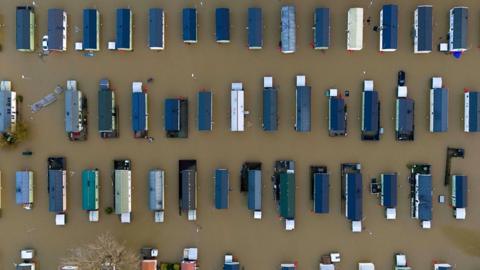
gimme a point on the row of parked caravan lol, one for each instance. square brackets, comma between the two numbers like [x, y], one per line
[251, 183]
[56, 39]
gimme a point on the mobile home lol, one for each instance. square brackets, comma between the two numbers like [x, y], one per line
[370, 112]
[204, 111]
[222, 25]
[124, 35]
[231, 263]
[320, 189]
[405, 116]
[90, 193]
[107, 111]
[472, 111]
[251, 182]
[190, 27]
[388, 194]
[24, 189]
[122, 189]
[438, 106]
[288, 266]
[91, 29]
[255, 28]
[75, 112]
[57, 188]
[421, 194]
[156, 29]
[389, 28]
[270, 105]
[187, 178]
[459, 195]
[284, 191]
[57, 30]
[423, 29]
[8, 108]
[352, 194]
[458, 33]
[303, 105]
[222, 188]
[288, 29]
[25, 24]
[237, 107]
[355, 29]
[139, 110]
[337, 114]
[321, 29]
[156, 193]
[176, 117]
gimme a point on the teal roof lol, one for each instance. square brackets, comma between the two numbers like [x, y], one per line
[90, 190]
[287, 195]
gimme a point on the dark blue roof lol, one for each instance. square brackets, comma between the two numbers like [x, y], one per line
[473, 111]
[459, 29]
[222, 24]
[172, 114]
[405, 115]
[389, 27]
[254, 190]
[270, 109]
[303, 108]
[321, 32]
[24, 23]
[424, 189]
[221, 188]
[204, 112]
[321, 184]
[156, 25]
[461, 188]
[424, 31]
[287, 268]
[389, 190]
[354, 196]
[231, 266]
[91, 28]
[188, 189]
[22, 187]
[139, 111]
[255, 28]
[124, 28]
[56, 29]
[440, 110]
[189, 25]
[55, 191]
[370, 111]
[337, 122]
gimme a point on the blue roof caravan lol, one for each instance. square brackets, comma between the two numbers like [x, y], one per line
[337, 114]
[438, 106]
[156, 193]
[404, 116]
[57, 30]
[187, 178]
[255, 28]
[237, 107]
[57, 188]
[355, 29]
[458, 34]
[231, 263]
[8, 108]
[423, 24]
[204, 111]
[176, 117]
[471, 111]
[124, 35]
[90, 193]
[388, 194]
[107, 111]
[139, 110]
[371, 129]
[222, 188]
[352, 197]
[321, 28]
[389, 28]
[421, 194]
[24, 189]
[122, 189]
[75, 113]
[320, 189]
[91, 29]
[288, 29]
[25, 32]
[222, 25]
[284, 191]
[190, 27]
[303, 105]
[270, 105]
[251, 183]
[459, 191]
[156, 29]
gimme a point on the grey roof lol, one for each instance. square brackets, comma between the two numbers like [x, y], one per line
[5, 110]
[73, 110]
[254, 190]
[156, 190]
[288, 29]
[189, 190]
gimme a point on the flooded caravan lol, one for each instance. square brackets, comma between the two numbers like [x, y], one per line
[156, 29]
[423, 29]
[176, 117]
[156, 194]
[24, 189]
[321, 28]
[320, 189]
[270, 105]
[288, 266]
[284, 191]
[190, 259]
[122, 189]
[91, 29]
[222, 188]
[389, 28]
[107, 111]
[8, 108]
[371, 129]
[149, 259]
[288, 29]
[459, 191]
[366, 266]
[222, 25]
[25, 29]
[204, 110]
[47, 100]
[187, 178]
[237, 107]
[124, 34]
[27, 257]
[438, 106]
[404, 116]
[57, 30]
[139, 110]
[90, 194]
[303, 105]
[352, 194]
[231, 263]
[388, 194]
[57, 188]
[251, 182]
[421, 194]
[442, 266]
[471, 111]
[255, 28]
[190, 27]
[75, 113]
[337, 113]
[458, 33]
[355, 29]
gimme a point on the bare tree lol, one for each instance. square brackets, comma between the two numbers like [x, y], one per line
[106, 253]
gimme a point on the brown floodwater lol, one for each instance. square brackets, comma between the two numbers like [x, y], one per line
[258, 244]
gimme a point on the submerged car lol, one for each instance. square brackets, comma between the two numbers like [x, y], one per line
[401, 78]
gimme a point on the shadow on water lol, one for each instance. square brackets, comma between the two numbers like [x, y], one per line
[467, 240]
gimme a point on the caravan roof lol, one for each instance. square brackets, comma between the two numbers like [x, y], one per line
[57, 29]
[156, 29]
[321, 29]
[288, 29]
[255, 28]
[91, 29]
